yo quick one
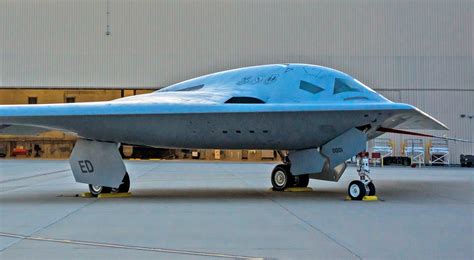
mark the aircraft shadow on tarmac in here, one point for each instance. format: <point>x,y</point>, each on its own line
<point>179,194</point>
<point>407,190</point>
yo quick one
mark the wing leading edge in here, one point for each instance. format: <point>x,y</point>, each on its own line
<point>392,115</point>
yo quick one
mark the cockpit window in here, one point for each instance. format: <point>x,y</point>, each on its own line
<point>191,88</point>
<point>311,88</point>
<point>344,85</point>
<point>182,89</point>
<point>356,98</point>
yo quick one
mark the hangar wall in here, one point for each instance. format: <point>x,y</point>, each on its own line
<point>419,52</point>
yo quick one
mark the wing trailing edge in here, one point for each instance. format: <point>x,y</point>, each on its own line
<point>404,132</point>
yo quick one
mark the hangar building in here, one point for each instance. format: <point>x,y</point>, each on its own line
<point>418,52</point>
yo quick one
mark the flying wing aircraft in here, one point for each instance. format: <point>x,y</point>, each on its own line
<point>321,116</point>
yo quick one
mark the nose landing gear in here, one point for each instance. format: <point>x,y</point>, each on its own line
<point>359,189</point>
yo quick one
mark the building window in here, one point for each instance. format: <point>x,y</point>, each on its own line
<point>32,100</point>
<point>70,99</point>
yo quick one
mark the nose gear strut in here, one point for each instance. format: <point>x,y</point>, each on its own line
<point>358,189</point>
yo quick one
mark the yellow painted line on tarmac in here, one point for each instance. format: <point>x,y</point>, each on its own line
<point>130,247</point>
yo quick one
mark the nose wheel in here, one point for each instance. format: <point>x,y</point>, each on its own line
<point>95,190</point>
<point>359,188</point>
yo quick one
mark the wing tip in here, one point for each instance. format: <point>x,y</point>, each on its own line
<point>437,125</point>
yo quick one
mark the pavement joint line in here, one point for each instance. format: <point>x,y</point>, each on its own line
<point>48,225</point>
<point>66,241</point>
<point>267,196</point>
<point>30,185</point>
<point>146,172</point>
<point>316,228</point>
<point>130,247</point>
<point>34,176</point>
<point>432,194</point>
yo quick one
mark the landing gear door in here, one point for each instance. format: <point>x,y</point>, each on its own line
<point>344,146</point>
<point>97,163</point>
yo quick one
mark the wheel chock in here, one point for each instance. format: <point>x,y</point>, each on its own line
<point>366,198</point>
<point>115,195</point>
<point>108,195</point>
<point>370,198</point>
<point>298,189</point>
<point>295,189</point>
<point>86,195</point>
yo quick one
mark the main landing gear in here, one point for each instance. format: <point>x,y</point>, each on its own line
<point>95,190</point>
<point>282,178</point>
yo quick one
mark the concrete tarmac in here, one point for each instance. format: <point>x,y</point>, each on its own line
<point>202,210</point>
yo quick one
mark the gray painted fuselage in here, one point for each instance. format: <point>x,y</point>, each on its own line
<point>303,108</point>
